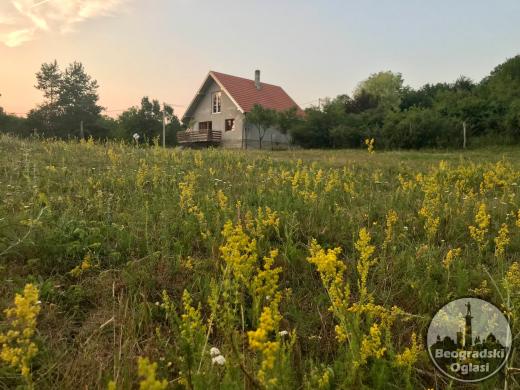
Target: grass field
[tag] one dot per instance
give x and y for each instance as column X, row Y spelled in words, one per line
column 305, row 269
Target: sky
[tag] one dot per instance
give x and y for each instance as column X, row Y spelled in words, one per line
column 313, row 49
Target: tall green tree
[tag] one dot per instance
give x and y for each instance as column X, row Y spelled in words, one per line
column 384, row 86
column 78, row 99
column 288, row 120
column 146, row 120
column 262, row 119
column 49, row 81
column 70, row 98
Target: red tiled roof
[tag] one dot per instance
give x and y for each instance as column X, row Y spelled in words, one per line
column 246, row 95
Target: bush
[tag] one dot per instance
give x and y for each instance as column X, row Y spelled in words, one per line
column 13, row 125
column 421, row 128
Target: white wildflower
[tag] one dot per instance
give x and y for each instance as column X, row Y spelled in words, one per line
column 220, row 360
column 283, row 333
column 214, row 352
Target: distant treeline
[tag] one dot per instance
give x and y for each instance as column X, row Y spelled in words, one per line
column 432, row 116
column 381, row 107
column 70, row 110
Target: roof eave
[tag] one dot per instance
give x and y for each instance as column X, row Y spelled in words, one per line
column 212, row 74
column 199, row 93
column 195, row 98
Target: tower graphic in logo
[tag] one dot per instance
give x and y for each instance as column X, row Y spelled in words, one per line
column 469, row 340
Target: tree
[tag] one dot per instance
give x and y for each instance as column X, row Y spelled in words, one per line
column 70, row 98
column 420, row 128
column 146, row 120
column 503, row 83
column 49, row 81
column 384, row 86
column 362, row 101
column 262, row 118
column 314, row 131
column 13, row 124
column 78, row 98
column 288, row 120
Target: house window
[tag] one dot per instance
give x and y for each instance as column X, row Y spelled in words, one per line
column 205, row 125
column 229, row 124
column 216, row 103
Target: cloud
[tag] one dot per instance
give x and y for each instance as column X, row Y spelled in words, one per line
column 18, row 37
column 22, row 21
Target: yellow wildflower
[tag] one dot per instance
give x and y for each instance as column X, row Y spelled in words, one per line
column 333, row 181
column 259, row 341
column 18, row 349
column 369, row 142
column 431, row 187
column 513, row 277
column 295, row 181
column 409, row 356
column 157, row 174
column 85, row 266
column 113, row 156
column 451, row 256
column 482, row 291
column 432, row 222
column 349, row 187
column 239, row 251
column 192, row 325
column 341, row 333
column 371, row 345
column 387, row 316
column 391, row 220
column 265, row 282
column 142, row 173
column 265, row 219
column 148, row 372
column 502, row 240
column 499, row 175
column 405, row 185
column 324, row 381
column 222, row 200
column 187, row 190
column 331, row 271
column 198, row 159
column 482, row 220
column 318, row 178
column 365, row 261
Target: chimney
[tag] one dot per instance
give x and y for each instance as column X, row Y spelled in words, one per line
column 258, row 85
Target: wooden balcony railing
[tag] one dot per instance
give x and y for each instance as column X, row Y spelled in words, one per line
column 199, row 136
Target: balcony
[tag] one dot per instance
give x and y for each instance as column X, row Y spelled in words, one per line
column 199, row 137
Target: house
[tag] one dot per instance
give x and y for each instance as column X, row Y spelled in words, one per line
column 218, row 113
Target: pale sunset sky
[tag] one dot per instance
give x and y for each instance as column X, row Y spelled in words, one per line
column 313, row 49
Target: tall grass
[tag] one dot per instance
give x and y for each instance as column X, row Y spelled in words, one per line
column 167, row 254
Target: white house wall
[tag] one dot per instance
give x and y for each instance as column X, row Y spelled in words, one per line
column 233, row 138
column 203, row 113
column 273, row 138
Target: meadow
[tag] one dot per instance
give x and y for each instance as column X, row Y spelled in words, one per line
column 141, row 267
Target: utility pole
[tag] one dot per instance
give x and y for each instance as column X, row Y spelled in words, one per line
column 81, row 135
column 163, row 129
